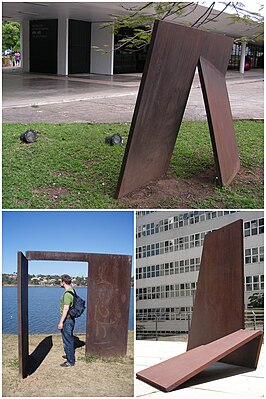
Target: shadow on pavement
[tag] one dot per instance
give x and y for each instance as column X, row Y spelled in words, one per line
column 214, row 372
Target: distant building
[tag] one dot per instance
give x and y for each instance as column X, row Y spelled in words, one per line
column 64, row 37
column 168, row 251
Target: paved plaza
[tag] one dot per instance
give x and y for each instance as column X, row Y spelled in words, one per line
column 31, row 98
column 218, row 381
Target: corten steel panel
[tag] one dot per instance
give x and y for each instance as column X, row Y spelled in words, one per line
column 23, row 329
column 57, row 256
column 247, row 355
column 169, row 71
column 108, row 304
column 171, row 373
column 219, row 303
column 220, row 121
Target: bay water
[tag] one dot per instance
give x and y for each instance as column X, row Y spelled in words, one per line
column 44, row 305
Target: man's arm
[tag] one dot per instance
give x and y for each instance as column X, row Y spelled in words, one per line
column 64, row 315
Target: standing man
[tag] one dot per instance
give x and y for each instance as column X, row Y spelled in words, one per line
column 67, row 323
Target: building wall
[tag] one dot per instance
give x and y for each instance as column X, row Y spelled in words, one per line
column 102, row 38
column 169, row 246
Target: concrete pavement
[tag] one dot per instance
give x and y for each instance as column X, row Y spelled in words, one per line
column 221, row 381
column 96, row 98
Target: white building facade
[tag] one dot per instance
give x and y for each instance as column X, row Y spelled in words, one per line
column 168, row 252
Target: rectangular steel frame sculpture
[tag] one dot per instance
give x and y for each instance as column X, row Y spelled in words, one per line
column 217, row 329
column 109, row 278
column 174, row 53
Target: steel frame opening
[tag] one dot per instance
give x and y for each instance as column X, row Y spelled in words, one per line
column 108, row 299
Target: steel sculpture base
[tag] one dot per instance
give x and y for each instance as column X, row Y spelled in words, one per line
column 107, row 305
column 171, row 373
column 174, row 53
column 217, row 327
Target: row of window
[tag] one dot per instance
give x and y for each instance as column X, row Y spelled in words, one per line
column 162, row 314
column 167, row 246
column 176, row 222
column 252, row 255
column 252, row 283
column 143, row 213
column 168, row 268
column 253, row 227
column 166, row 291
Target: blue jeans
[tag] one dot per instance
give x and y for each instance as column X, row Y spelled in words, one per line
column 68, row 339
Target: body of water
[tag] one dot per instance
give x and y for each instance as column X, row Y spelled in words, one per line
column 44, row 314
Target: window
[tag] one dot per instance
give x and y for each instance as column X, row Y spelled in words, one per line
column 254, row 227
column 247, row 256
column 249, row 283
column 255, row 257
column 261, row 254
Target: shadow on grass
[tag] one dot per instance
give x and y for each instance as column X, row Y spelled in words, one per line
column 39, row 354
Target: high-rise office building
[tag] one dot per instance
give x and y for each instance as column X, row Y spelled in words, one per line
column 168, row 251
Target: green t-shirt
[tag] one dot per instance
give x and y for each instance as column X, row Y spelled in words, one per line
column 66, row 299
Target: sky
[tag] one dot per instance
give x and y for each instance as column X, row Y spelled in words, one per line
column 250, row 5
column 67, row 231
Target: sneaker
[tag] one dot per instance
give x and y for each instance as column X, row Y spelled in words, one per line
column 66, row 364
column 64, row 357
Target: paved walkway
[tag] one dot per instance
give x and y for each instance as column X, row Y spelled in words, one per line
column 246, row 385
column 96, row 98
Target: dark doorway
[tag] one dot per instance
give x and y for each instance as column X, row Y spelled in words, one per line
column 79, row 46
column 43, row 46
column 128, row 60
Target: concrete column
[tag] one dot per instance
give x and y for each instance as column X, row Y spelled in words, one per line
column 101, row 37
column 25, row 45
column 242, row 58
column 62, row 52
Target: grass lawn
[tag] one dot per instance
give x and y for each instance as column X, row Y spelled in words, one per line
column 70, row 166
column 91, row 376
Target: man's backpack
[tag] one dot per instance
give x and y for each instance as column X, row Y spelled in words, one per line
column 78, row 306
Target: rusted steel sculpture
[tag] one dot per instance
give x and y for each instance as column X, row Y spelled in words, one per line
column 174, row 53
column 107, row 306
column 217, row 330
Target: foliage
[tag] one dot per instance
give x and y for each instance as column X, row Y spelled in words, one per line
column 140, row 19
column 42, row 279
column 70, row 166
column 8, row 279
column 256, row 301
column 10, row 35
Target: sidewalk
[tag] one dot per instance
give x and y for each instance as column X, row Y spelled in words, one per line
column 218, row 381
column 31, row 98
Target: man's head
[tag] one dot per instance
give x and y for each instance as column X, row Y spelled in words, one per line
column 65, row 280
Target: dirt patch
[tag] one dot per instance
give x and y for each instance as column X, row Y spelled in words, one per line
column 54, row 193
column 184, row 192
column 98, row 377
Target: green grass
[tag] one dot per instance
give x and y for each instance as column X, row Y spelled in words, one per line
column 70, row 166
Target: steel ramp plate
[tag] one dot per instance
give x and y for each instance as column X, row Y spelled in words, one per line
column 171, row 373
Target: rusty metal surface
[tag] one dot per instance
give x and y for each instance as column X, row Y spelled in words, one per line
column 171, row 373
column 219, row 303
column 109, row 281
column 108, row 304
column 220, row 121
column 247, row 355
column 169, row 70
column 57, row 256
column 23, row 324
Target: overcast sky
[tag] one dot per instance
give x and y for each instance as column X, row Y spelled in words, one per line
column 250, row 5
column 67, row 231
